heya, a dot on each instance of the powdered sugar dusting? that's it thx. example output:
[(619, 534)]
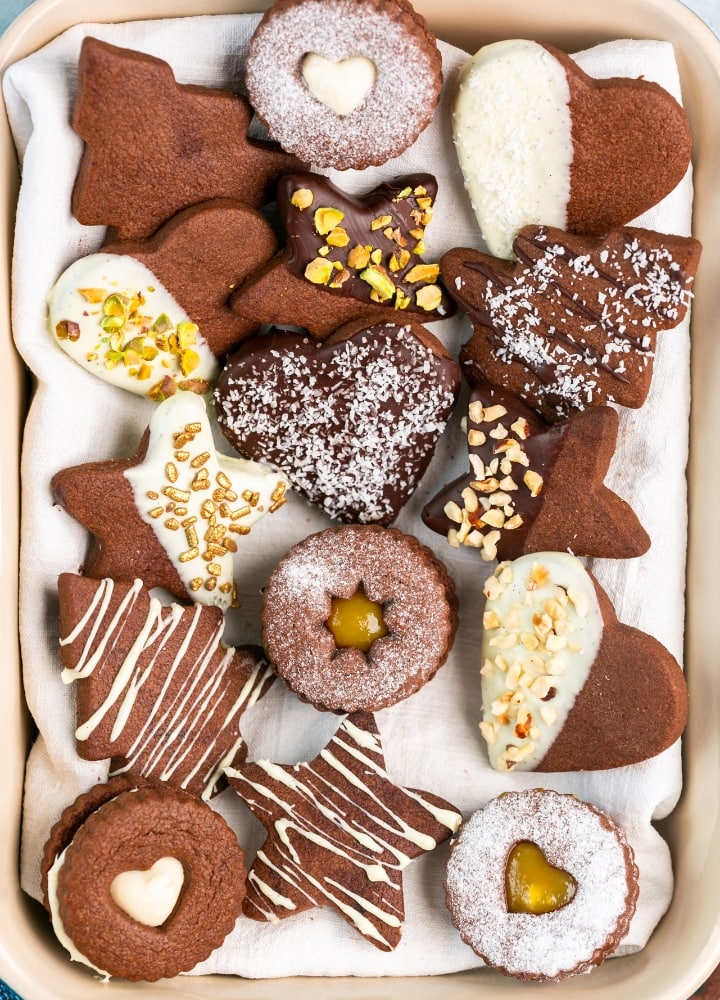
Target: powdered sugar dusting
[(573, 836)]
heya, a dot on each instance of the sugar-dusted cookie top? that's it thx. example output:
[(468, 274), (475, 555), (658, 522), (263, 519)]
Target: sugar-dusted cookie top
[(343, 83), (573, 321), (154, 147), (541, 142)]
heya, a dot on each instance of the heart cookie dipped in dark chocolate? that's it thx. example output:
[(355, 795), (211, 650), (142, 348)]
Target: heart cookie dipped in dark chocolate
[(573, 322), (348, 256), (352, 422), (534, 486)]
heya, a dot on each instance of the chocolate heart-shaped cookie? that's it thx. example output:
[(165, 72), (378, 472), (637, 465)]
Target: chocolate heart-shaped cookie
[(540, 141), (351, 422)]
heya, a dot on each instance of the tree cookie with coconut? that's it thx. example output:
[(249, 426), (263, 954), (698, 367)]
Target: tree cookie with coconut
[(343, 83), (541, 885), (565, 685), (541, 142)]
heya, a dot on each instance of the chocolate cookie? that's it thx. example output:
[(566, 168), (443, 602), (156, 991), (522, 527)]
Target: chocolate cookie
[(358, 617), (157, 690), (348, 257), (574, 321), (343, 83), (540, 141), (142, 883), (154, 147), (340, 833), (565, 685), (541, 885), (352, 422), (174, 515), (534, 486)]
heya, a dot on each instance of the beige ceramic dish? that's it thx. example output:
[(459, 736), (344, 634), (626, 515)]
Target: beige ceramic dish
[(686, 945)]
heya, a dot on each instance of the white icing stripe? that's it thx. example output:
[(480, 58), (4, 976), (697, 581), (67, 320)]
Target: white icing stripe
[(275, 898)]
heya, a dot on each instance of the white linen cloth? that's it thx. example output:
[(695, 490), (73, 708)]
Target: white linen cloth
[(431, 740)]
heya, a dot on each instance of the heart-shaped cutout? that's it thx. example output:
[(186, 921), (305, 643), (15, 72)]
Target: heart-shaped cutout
[(532, 884), (341, 86), (351, 422), (150, 896)]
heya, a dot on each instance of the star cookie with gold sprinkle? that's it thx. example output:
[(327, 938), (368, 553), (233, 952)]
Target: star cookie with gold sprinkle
[(174, 515), (157, 691), (340, 833)]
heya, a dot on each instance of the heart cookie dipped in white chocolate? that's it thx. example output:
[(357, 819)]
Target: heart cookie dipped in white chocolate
[(541, 142)]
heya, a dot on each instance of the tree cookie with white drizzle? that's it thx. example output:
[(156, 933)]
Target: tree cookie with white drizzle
[(340, 833), (573, 321), (157, 690), (534, 486), (358, 617), (565, 685), (175, 513), (142, 881), (541, 885)]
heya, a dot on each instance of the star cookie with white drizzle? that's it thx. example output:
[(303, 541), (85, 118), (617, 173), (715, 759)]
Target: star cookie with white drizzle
[(174, 515), (340, 833)]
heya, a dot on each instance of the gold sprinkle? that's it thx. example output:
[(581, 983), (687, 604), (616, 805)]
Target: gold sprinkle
[(192, 537), (223, 480), (214, 569), (200, 459), (240, 512), (173, 493), (210, 583), (171, 472), (240, 529), (189, 521), (250, 497), (172, 523), (277, 504), (189, 555), (152, 495), (156, 512), (182, 456), (208, 508)]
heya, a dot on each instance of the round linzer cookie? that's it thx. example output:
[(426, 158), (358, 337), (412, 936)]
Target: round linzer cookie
[(358, 617), (565, 685), (344, 83), (142, 881), (541, 885), (540, 141)]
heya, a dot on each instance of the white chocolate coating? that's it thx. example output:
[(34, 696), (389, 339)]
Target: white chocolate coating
[(542, 631), (512, 131), (149, 896), (341, 86), (57, 924), (78, 298)]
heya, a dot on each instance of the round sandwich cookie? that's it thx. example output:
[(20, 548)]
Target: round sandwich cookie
[(142, 881), (541, 885), (357, 618)]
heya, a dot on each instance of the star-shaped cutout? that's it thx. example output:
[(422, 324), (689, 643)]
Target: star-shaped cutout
[(157, 691), (533, 486), (340, 833), (154, 147), (175, 514), (348, 256)]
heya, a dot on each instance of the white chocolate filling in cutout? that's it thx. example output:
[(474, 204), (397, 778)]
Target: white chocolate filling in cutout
[(149, 896), (341, 86), (542, 629), (512, 132)]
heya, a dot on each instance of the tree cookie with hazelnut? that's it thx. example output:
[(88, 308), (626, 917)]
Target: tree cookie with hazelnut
[(343, 83), (357, 618), (348, 257), (352, 422), (142, 881), (542, 886), (534, 486), (565, 685), (573, 321), (154, 147)]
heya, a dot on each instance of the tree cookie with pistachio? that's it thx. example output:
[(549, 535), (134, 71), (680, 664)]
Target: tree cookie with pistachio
[(565, 685), (343, 83), (358, 617)]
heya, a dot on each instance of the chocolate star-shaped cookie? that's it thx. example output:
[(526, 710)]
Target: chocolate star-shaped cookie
[(573, 321), (339, 833), (533, 486), (347, 257), (157, 691), (175, 514), (154, 147)]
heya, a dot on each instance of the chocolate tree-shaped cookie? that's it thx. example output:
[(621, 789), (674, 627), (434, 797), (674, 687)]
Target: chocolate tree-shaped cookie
[(157, 690), (573, 321), (534, 486), (348, 256)]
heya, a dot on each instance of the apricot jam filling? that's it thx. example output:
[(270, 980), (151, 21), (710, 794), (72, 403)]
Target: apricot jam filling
[(532, 884), (356, 621)]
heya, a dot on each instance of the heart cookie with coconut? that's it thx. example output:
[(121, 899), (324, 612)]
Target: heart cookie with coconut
[(162, 873), (325, 77), (540, 141)]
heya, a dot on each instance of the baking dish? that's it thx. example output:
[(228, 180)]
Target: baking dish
[(686, 945)]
